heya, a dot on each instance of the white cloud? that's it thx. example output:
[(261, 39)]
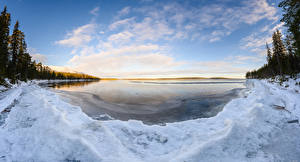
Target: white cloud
[(149, 61), (217, 35), (260, 51), (256, 41), (147, 29), (125, 22), (79, 36), (63, 69), (35, 55), (124, 11), (257, 10), (243, 59), (150, 29), (39, 58), (214, 39), (220, 67), (95, 11), (131, 49), (172, 21), (119, 37), (152, 65), (132, 46), (194, 20), (127, 59)]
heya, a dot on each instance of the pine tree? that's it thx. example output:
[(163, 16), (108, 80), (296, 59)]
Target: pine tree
[(32, 71), (4, 39), (270, 60), (286, 56), (22, 57), (14, 52), (269, 53), (291, 18), (291, 50), (26, 66), (16, 62), (279, 51)]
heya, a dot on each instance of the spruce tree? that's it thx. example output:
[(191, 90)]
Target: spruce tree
[(270, 60), (286, 56), (22, 62), (16, 62), (14, 52), (291, 18), (291, 50), (269, 54), (4, 39), (26, 66), (279, 51)]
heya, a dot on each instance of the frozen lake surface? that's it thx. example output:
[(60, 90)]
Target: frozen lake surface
[(151, 101)]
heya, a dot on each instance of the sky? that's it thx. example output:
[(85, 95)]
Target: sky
[(148, 38)]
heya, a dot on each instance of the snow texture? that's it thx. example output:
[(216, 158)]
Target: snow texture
[(2, 88), (7, 98), (42, 127)]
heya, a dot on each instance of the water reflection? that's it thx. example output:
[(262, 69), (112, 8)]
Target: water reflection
[(151, 102), (70, 84)]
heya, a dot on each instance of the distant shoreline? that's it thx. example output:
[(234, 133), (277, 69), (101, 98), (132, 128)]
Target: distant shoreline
[(181, 78)]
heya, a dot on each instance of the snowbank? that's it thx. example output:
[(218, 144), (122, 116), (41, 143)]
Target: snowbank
[(7, 98), (42, 127), (2, 88)]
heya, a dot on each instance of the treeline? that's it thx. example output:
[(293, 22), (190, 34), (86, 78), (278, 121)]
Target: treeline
[(284, 58), (15, 61), (281, 60), (44, 72)]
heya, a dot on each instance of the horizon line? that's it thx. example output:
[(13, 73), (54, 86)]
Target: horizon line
[(167, 78)]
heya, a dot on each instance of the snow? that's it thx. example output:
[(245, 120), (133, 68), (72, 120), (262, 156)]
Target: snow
[(8, 97), (42, 127), (2, 88)]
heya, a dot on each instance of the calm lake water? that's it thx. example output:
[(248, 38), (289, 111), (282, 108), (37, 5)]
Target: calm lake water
[(153, 102)]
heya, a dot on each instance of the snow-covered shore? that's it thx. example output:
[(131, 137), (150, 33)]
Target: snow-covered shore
[(42, 127)]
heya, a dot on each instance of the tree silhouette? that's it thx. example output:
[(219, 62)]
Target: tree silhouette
[(15, 61), (4, 39)]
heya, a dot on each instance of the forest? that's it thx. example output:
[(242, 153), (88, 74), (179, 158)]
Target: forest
[(284, 57), (15, 61)]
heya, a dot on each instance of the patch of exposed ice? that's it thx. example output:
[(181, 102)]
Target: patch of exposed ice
[(102, 117)]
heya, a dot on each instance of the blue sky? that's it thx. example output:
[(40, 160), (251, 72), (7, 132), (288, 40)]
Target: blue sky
[(148, 38)]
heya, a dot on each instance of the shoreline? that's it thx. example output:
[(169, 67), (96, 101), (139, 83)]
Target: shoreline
[(247, 129), (179, 78)]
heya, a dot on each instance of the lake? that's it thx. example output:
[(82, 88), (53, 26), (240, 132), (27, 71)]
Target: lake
[(151, 101)]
